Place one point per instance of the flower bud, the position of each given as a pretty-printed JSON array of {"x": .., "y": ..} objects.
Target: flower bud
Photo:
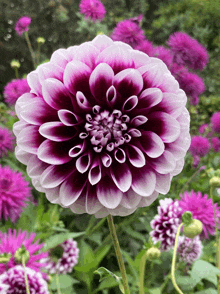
[
  {"x": 20, "y": 252},
  {"x": 5, "y": 257},
  {"x": 153, "y": 253},
  {"x": 215, "y": 182},
  {"x": 15, "y": 63},
  {"x": 40, "y": 40},
  {"x": 193, "y": 229}
]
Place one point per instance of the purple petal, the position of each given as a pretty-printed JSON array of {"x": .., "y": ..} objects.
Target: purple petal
[
  {"x": 92, "y": 203},
  {"x": 83, "y": 162},
  {"x": 34, "y": 83},
  {"x": 23, "y": 101},
  {"x": 108, "y": 194},
  {"x": 60, "y": 57},
  {"x": 130, "y": 199},
  {"x": 149, "y": 98},
  {"x": 77, "y": 149},
  {"x": 178, "y": 168},
  {"x": 49, "y": 70},
  {"x": 35, "y": 167},
  {"x": 130, "y": 103},
  {"x": 121, "y": 176},
  {"x": 79, "y": 206},
  {"x": 101, "y": 42},
  {"x": 163, "y": 183},
  {"x": 100, "y": 80},
  {"x": 178, "y": 149},
  {"x": 139, "y": 58},
  {"x": 134, "y": 132},
  {"x": 164, "y": 164},
  {"x": 135, "y": 156},
  {"x": 19, "y": 126},
  {"x": 56, "y": 131},
  {"x": 95, "y": 173},
  {"x": 139, "y": 120},
  {"x": 111, "y": 96},
  {"x": 53, "y": 195},
  {"x": 82, "y": 102},
  {"x": 120, "y": 155},
  {"x": 56, "y": 95},
  {"x": 151, "y": 144},
  {"x": 29, "y": 139},
  {"x": 143, "y": 181},
  {"x": 68, "y": 118},
  {"x": 152, "y": 74},
  {"x": 22, "y": 155},
  {"x": 106, "y": 159},
  {"x": 147, "y": 201}
]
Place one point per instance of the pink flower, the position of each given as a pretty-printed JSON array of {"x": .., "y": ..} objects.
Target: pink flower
[
  {"x": 215, "y": 144},
  {"x": 128, "y": 31},
  {"x": 202, "y": 209},
  {"x": 13, "y": 281},
  {"x": 166, "y": 223},
  {"x": 215, "y": 122},
  {"x": 164, "y": 54},
  {"x": 188, "y": 51},
  {"x": 146, "y": 47},
  {"x": 14, "y": 89},
  {"x": 200, "y": 146},
  {"x": 22, "y": 25},
  {"x": 93, "y": 9},
  {"x": 203, "y": 128},
  {"x": 14, "y": 192},
  {"x": 11, "y": 241},
  {"x": 104, "y": 129},
  {"x": 6, "y": 142},
  {"x": 189, "y": 250}
]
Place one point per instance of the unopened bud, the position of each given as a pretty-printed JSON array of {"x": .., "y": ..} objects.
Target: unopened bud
[
  {"x": 40, "y": 40},
  {"x": 215, "y": 182},
  {"x": 15, "y": 63},
  {"x": 5, "y": 257},
  {"x": 21, "y": 254},
  {"x": 192, "y": 230},
  {"x": 153, "y": 253}
]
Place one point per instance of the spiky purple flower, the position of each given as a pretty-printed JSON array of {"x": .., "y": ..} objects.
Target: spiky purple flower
[
  {"x": 93, "y": 9},
  {"x": 14, "y": 89},
  {"x": 203, "y": 128},
  {"x": 202, "y": 209},
  {"x": 164, "y": 54},
  {"x": 189, "y": 250},
  {"x": 166, "y": 223},
  {"x": 188, "y": 51},
  {"x": 11, "y": 241},
  {"x": 215, "y": 142},
  {"x": 68, "y": 257},
  {"x": 13, "y": 281},
  {"x": 14, "y": 192},
  {"x": 215, "y": 122},
  {"x": 146, "y": 47},
  {"x": 6, "y": 141},
  {"x": 104, "y": 129},
  {"x": 200, "y": 146},
  {"x": 22, "y": 25}
]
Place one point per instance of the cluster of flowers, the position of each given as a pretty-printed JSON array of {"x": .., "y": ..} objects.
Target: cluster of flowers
[
  {"x": 166, "y": 222},
  {"x": 12, "y": 278}
]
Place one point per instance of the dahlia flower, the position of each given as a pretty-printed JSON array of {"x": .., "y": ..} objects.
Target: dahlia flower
[
  {"x": 202, "y": 209},
  {"x": 93, "y": 9},
  {"x": 104, "y": 128},
  {"x": 200, "y": 146},
  {"x": 64, "y": 259},
  {"x": 11, "y": 241},
  {"x": 203, "y": 128},
  {"x": 215, "y": 122},
  {"x": 164, "y": 54},
  {"x": 215, "y": 142},
  {"x": 146, "y": 47},
  {"x": 13, "y": 281},
  {"x": 6, "y": 141},
  {"x": 166, "y": 223},
  {"x": 189, "y": 250},
  {"x": 188, "y": 51},
  {"x": 128, "y": 31},
  {"x": 14, "y": 192},
  {"x": 22, "y": 25},
  {"x": 14, "y": 89}
]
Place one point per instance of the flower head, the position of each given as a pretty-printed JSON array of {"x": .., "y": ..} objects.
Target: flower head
[
  {"x": 200, "y": 146},
  {"x": 104, "y": 129},
  {"x": 6, "y": 141},
  {"x": 10, "y": 242},
  {"x": 14, "y": 89},
  {"x": 128, "y": 31},
  {"x": 202, "y": 209},
  {"x": 14, "y": 192},
  {"x": 189, "y": 250},
  {"x": 66, "y": 257},
  {"x": 215, "y": 142},
  {"x": 166, "y": 223},
  {"x": 22, "y": 25},
  {"x": 146, "y": 47},
  {"x": 203, "y": 128},
  {"x": 13, "y": 281},
  {"x": 215, "y": 122},
  {"x": 164, "y": 54},
  {"x": 93, "y": 9},
  {"x": 188, "y": 51}
]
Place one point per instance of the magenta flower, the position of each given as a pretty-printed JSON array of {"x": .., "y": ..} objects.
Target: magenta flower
[
  {"x": 200, "y": 146},
  {"x": 6, "y": 142},
  {"x": 67, "y": 259},
  {"x": 166, "y": 223},
  {"x": 93, "y": 9},
  {"x": 128, "y": 31},
  {"x": 215, "y": 142},
  {"x": 215, "y": 122},
  {"x": 189, "y": 250},
  {"x": 164, "y": 54},
  {"x": 13, "y": 281},
  {"x": 146, "y": 47},
  {"x": 202, "y": 209},
  {"x": 104, "y": 129},
  {"x": 188, "y": 51},
  {"x": 203, "y": 128},
  {"x": 14, "y": 89},
  {"x": 14, "y": 192},
  {"x": 11, "y": 241},
  {"x": 22, "y": 25}
]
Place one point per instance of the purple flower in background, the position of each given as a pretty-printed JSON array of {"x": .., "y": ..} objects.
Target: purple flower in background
[
  {"x": 14, "y": 192},
  {"x": 188, "y": 51},
  {"x": 166, "y": 223},
  {"x": 66, "y": 257},
  {"x": 104, "y": 129},
  {"x": 164, "y": 54},
  {"x": 202, "y": 209},
  {"x": 215, "y": 141},
  {"x": 93, "y": 9},
  {"x": 13, "y": 281},
  {"x": 14, "y": 89},
  {"x": 189, "y": 250},
  {"x": 146, "y": 47},
  {"x": 200, "y": 146},
  {"x": 215, "y": 122},
  {"x": 203, "y": 128},
  {"x": 6, "y": 141},
  {"x": 11, "y": 241},
  {"x": 22, "y": 25},
  {"x": 128, "y": 31}
]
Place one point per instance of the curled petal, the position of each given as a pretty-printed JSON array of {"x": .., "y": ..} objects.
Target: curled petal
[
  {"x": 143, "y": 181},
  {"x": 139, "y": 120},
  {"x": 151, "y": 144},
  {"x": 77, "y": 149},
  {"x": 130, "y": 103},
  {"x": 68, "y": 118},
  {"x": 83, "y": 162},
  {"x": 92, "y": 203},
  {"x": 83, "y": 102},
  {"x": 106, "y": 159},
  {"x": 56, "y": 131},
  {"x": 134, "y": 132},
  {"x": 135, "y": 156},
  {"x": 121, "y": 176},
  {"x": 120, "y": 155},
  {"x": 111, "y": 96},
  {"x": 95, "y": 173}
]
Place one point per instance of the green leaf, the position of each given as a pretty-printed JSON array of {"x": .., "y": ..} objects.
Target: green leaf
[
  {"x": 207, "y": 291},
  {"x": 134, "y": 234},
  {"x": 131, "y": 264},
  {"x": 104, "y": 273},
  {"x": 186, "y": 283},
  {"x": 65, "y": 281},
  {"x": 155, "y": 291},
  {"x": 101, "y": 253},
  {"x": 204, "y": 270}
]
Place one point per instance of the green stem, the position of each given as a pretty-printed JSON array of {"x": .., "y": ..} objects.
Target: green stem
[
  {"x": 38, "y": 53},
  {"x": 30, "y": 48},
  {"x": 142, "y": 272},
  {"x": 25, "y": 275},
  {"x": 118, "y": 253},
  {"x": 174, "y": 261},
  {"x": 165, "y": 283},
  {"x": 58, "y": 284},
  {"x": 16, "y": 72}
]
